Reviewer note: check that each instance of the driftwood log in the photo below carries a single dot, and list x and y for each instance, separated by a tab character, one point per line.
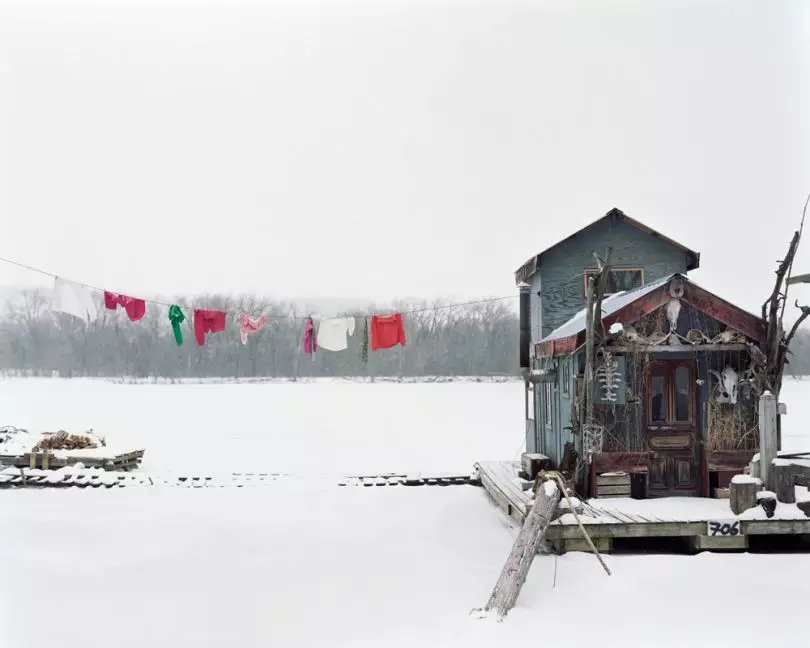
742	494
514	572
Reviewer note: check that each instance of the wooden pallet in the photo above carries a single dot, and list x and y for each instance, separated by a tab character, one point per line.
392	479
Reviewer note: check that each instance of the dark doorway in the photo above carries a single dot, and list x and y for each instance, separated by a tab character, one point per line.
670	429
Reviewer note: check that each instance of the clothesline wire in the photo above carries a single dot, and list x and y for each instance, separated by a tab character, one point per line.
413	311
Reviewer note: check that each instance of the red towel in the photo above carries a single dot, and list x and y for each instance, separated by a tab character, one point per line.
135	308
387	331
207	321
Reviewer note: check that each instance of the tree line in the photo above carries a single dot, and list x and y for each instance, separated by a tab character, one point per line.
470	340
466	340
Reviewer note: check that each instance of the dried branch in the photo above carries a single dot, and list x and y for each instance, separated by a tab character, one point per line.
772	340
805	314
790	268
600	292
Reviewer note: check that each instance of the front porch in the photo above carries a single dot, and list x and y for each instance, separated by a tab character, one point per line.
699	520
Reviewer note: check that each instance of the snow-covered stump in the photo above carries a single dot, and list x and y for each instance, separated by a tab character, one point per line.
742	493
753	467
514	572
782	476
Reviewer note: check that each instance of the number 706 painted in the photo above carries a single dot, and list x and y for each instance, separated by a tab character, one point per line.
723	527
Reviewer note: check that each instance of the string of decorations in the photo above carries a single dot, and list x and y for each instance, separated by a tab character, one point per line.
379	331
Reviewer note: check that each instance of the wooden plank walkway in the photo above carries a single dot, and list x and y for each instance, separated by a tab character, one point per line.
611	518
96	477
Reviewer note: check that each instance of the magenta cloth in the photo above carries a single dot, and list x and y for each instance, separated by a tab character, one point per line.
135	308
207	321
310	338
251	325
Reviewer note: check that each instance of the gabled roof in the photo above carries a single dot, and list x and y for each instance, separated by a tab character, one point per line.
630	306
530	267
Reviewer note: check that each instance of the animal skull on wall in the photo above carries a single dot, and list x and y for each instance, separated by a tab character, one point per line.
728	384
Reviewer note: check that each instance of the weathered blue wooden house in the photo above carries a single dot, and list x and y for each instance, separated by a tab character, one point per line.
674	408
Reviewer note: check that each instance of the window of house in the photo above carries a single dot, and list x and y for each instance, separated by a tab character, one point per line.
619	279
565	376
547	403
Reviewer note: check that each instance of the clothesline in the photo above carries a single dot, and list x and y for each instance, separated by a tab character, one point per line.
192	308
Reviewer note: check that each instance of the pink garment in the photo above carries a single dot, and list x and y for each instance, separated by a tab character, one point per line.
310	338
135	308
251	325
207	321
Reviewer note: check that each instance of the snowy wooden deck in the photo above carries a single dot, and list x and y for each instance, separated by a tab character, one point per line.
606	519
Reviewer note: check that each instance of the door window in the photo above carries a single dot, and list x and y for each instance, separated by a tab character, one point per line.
659	392
671	393
682	385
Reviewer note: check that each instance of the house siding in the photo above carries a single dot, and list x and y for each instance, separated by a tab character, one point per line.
561	272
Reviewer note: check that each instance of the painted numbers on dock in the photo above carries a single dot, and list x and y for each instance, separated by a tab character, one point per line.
723	528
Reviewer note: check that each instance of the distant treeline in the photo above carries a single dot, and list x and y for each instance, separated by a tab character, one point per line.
473	340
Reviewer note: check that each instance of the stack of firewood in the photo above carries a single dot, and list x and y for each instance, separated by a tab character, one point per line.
62	440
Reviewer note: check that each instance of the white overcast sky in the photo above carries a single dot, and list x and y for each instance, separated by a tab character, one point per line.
389	149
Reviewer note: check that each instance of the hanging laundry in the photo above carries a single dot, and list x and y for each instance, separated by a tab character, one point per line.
135	308
73	299
364	343
207	321
333	333
251	325
387	331
176	318
310	338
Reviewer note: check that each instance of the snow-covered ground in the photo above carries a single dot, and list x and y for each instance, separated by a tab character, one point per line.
325	426
303	562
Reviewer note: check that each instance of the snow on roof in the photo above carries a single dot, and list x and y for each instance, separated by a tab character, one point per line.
610	305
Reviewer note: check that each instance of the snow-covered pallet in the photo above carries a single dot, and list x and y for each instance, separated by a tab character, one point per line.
81	477
391	479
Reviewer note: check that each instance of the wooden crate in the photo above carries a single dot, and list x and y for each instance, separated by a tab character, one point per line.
615	484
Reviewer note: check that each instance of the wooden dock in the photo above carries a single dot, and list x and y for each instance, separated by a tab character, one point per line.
706	523
96	477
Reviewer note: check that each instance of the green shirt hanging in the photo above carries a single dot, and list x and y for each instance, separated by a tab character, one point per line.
176	318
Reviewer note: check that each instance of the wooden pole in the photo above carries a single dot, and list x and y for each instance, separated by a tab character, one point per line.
587	383
514	572
767	437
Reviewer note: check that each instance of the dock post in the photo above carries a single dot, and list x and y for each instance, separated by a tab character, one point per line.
767	437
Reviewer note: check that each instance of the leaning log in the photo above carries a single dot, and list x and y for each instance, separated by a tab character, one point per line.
514	572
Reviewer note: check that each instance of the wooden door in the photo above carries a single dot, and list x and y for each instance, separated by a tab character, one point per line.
671	427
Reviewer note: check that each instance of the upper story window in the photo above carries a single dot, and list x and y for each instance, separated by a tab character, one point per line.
619	279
